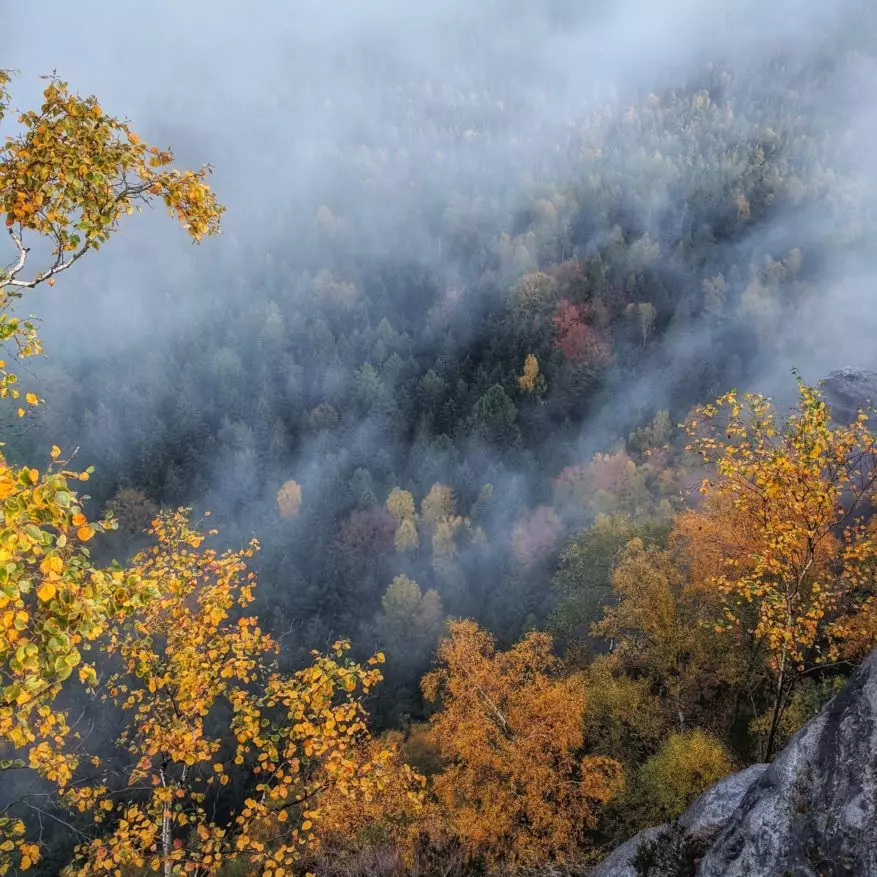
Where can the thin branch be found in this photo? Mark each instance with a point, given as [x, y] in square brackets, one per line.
[22, 255]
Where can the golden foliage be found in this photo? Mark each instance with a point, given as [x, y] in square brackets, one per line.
[54, 604]
[301, 736]
[410, 614]
[68, 176]
[400, 504]
[518, 790]
[780, 535]
[531, 381]
[686, 765]
[437, 506]
[658, 627]
[394, 807]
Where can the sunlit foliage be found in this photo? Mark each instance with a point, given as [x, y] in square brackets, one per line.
[194, 650]
[781, 535]
[518, 790]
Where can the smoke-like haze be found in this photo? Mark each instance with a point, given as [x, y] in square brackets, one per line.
[447, 96]
[358, 128]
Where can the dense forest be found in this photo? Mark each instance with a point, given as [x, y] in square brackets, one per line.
[436, 523]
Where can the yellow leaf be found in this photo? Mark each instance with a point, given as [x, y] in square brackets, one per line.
[56, 452]
[46, 591]
[31, 398]
[85, 533]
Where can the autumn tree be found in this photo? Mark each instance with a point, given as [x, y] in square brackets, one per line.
[576, 338]
[583, 579]
[409, 617]
[781, 535]
[533, 296]
[54, 604]
[69, 172]
[67, 177]
[657, 628]
[518, 789]
[191, 652]
[532, 380]
[440, 520]
[686, 765]
[400, 504]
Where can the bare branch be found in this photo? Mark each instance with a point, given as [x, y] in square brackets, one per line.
[57, 268]
[22, 256]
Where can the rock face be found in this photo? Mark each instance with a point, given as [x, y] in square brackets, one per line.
[849, 389]
[702, 821]
[812, 813]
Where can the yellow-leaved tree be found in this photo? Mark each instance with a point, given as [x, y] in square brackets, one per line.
[68, 173]
[780, 536]
[518, 790]
[193, 665]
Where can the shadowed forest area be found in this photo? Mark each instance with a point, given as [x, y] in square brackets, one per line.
[457, 509]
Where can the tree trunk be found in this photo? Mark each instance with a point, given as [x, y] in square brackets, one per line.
[166, 842]
[779, 707]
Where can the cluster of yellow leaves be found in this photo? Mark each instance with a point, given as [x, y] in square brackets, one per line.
[531, 381]
[518, 789]
[14, 850]
[400, 504]
[301, 736]
[440, 520]
[780, 532]
[53, 602]
[74, 171]
[780, 535]
[437, 519]
[68, 175]
[53, 605]
[409, 615]
[392, 801]
[686, 765]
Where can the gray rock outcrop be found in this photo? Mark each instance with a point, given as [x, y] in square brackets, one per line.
[812, 813]
[703, 820]
[849, 389]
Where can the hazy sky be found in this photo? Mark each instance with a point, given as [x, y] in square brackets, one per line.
[304, 103]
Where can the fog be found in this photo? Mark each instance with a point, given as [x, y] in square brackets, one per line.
[349, 131]
[452, 96]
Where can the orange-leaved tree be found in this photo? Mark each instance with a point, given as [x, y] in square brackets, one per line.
[518, 790]
[193, 664]
[68, 173]
[780, 535]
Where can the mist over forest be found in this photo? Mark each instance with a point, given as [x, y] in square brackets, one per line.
[479, 261]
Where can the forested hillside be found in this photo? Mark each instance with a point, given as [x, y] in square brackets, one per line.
[427, 532]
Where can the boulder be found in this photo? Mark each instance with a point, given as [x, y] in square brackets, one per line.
[849, 389]
[812, 813]
[702, 821]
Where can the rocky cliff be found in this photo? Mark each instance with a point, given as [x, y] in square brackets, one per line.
[812, 813]
[849, 389]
